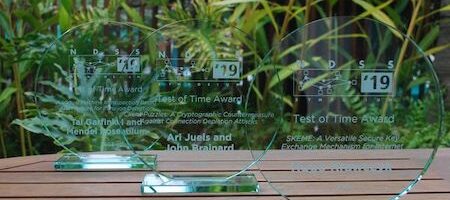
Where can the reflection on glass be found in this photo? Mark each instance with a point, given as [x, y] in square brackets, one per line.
[354, 93]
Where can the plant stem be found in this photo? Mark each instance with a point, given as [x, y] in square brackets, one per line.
[2, 142]
[307, 11]
[411, 25]
[286, 19]
[19, 103]
[30, 144]
[403, 49]
[28, 134]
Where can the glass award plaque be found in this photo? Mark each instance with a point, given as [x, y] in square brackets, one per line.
[362, 112]
[88, 79]
[199, 108]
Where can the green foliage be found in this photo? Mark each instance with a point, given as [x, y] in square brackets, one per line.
[134, 15]
[64, 13]
[28, 27]
[25, 39]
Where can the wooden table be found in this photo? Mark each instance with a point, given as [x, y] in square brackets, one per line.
[34, 177]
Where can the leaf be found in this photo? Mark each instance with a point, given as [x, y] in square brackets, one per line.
[28, 17]
[445, 8]
[282, 74]
[268, 10]
[375, 12]
[67, 4]
[5, 98]
[230, 2]
[64, 13]
[5, 25]
[29, 125]
[437, 49]
[286, 99]
[429, 38]
[428, 52]
[152, 3]
[49, 127]
[442, 9]
[257, 92]
[7, 93]
[395, 16]
[332, 3]
[418, 81]
[237, 12]
[401, 5]
[385, 44]
[134, 15]
[263, 68]
[60, 88]
[48, 23]
[252, 20]
[309, 43]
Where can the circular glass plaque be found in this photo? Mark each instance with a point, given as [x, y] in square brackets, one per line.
[362, 110]
[82, 92]
[200, 109]
[115, 95]
[187, 93]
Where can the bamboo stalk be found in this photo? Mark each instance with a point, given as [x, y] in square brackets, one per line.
[2, 137]
[286, 19]
[409, 32]
[2, 143]
[27, 133]
[412, 23]
[19, 103]
[29, 142]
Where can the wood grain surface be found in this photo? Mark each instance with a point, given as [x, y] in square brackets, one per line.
[34, 177]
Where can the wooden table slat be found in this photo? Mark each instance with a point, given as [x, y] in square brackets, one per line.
[274, 176]
[237, 165]
[34, 176]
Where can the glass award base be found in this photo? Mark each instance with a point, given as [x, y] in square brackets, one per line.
[105, 161]
[156, 183]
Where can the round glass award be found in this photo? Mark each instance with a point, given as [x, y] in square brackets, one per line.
[362, 110]
[200, 108]
[115, 95]
[82, 92]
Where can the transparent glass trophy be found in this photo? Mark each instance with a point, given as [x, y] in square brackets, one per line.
[83, 90]
[200, 109]
[362, 111]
